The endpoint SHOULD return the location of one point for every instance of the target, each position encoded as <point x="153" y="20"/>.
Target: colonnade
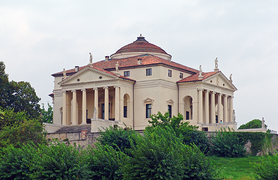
<point x="214" y="104"/>
<point x="70" y="100"/>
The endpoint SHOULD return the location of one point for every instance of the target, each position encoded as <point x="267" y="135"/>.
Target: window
<point x="148" y="110"/>
<point x="181" y="75"/>
<point x="125" y="111"/>
<point x="149" y="72"/>
<point x="170" y="110"/>
<point x="169" y="73"/>
<point x="126" y="73"/>
<point x="187" y="115"/>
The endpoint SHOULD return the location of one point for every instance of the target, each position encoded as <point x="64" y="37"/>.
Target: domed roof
<point x="140" y="46"/>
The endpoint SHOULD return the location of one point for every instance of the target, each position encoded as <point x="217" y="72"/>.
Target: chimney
<point x="139" y="61"/>
<point x="76" y="68"/>
<point x="106" y="58"/>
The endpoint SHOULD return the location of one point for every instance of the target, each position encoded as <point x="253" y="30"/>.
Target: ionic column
<point x="212" y="106"/>
<point x="220" y="110"/>
<point x="74" y="109"/>
<point x="231" y="109"/>
<point x="200" y="119"/>
<point x="206" y="121"/>
<point x="64" y="107"/>
<point x="84" y="106"/>
<point x="117" y="103"/>
<point x="96" y="101"/>
<point x="106" y="103"/>
<point x="225" y="119"/>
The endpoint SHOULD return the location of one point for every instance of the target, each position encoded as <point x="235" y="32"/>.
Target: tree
<point x="47" y="115"/>
<point x="20" y="96"/>
<point x="255" y="123"/>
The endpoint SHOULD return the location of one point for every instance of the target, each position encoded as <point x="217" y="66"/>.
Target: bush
<point x="118" y="138"/>
<point x="200" y="139"/>
<point x="160" y="154"/>
<point x="227" y="144"/>
<point x="17" y="163"/>
<point x="268" y="168"/>
<point x="104" y="162"/>
<point x="60" y="161"/>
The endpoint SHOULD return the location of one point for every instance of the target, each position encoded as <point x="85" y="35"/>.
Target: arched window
<point x="126" y="107"/>
<point x="188" y="110"/>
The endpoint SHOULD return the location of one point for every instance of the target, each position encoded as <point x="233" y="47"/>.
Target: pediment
<point x="220" y="80"/>
<point x="88" y="75"/>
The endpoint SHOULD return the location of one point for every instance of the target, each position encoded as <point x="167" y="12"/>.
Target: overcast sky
<point x="38" y="38"/>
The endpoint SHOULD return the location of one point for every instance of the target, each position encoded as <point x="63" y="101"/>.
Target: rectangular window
<point x="148" y="110"/>
<point x="125" y="111"/>
<point x="126" y="73"/>
<point x="181" y="75"/>
<point x="187" y="115"/>
<point x="149" y="72"/>
<point x="170" y="110"/>
<point x="169" y="73"/>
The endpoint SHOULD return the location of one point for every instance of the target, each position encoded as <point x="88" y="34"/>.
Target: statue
<point x="231" y="78"/>
<point x="91" y="60"/>
<point x="263" y="123"/>
<point x="216" y="63"/>
<point x="200" y="73"/>
<point x="64" y="73"/>
<point x="117" y="66"/>
<point x="95" y="113"/>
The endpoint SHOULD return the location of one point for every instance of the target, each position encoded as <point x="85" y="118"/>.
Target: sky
<point x="39" y="38"/>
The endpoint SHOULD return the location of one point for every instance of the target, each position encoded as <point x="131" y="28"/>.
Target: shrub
<point x="267" y="168"/>
<point x="104" y="162"/>
<point x="60" y="161"/>
<point x="200" y="139"/>
<point x="227" y="144"/>
<point x="118" y="138"/>
<point x="160" y="154"/>
<point x="17" y="163"/>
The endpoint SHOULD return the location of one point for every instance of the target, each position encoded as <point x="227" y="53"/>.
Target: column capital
<point x="73" y="90"/>
<point x="83" y="89"/>
<point x="105" y="87"/>
<point x="116" y="86"/>
<point x="96" y="88"/>
<point x="212" y="92"/>
<point x="200" y="89"/>
<point x="64" y="91"/>
<point x="225" y="95"/>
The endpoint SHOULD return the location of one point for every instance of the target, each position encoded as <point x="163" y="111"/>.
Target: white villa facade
<point x="138" y="80"/>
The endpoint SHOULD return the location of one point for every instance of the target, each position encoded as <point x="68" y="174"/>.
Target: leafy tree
<point x="20" y="96"/>
<point x="47" y="114"/>
<point x="255" y="123"/>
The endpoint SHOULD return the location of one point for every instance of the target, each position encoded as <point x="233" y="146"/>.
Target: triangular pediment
<point x="220" y="80"/>
<point x="88" y="75"/>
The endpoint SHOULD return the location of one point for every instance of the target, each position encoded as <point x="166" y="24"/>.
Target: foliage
<point x="17" y="128"/>
<point x="235" y="168"/>
<point x="227" y="144"/>
<point x="104" y="162"/>
<point x="17" y="163"/>
<point x="160" y="154"/>
<point x="267" y="168"/>
<point x="255" y="123"/>
<point x="59" y="161"/>
<point x="47" y="114"/>
<point x="189" y="133"/>
<point x="118" y="138"/>
<point x="20" y="96"/>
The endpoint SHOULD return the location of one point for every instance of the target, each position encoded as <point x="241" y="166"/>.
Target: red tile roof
<point x="194" y="77"/>
<point x="141" y="45"/>
<point x="132" y="62"/>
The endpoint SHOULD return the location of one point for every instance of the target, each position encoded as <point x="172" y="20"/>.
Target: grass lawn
<point x="235" y="168"/>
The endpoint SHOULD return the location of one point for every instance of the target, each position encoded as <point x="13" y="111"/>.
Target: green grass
<point x="235" y="168"/>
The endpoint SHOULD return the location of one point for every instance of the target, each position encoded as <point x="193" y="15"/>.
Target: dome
<point x="139" y="47"/>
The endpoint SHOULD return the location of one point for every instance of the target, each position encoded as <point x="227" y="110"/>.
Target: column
<point x="225" y="119"/>
<point x="84" y="106"/>
<point x="212" y="106"/>
<point x="74" y="109"/>
<point x="106" y="103"/>
<point x="206" y="121"/>
<point x="64" y="107"/>
<point x="96" y="103"/>
<point x="117" y="103"/>
<point x="231" y="109"/>
<point x="220" y="110"/>
<point x="200" y="117"/>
